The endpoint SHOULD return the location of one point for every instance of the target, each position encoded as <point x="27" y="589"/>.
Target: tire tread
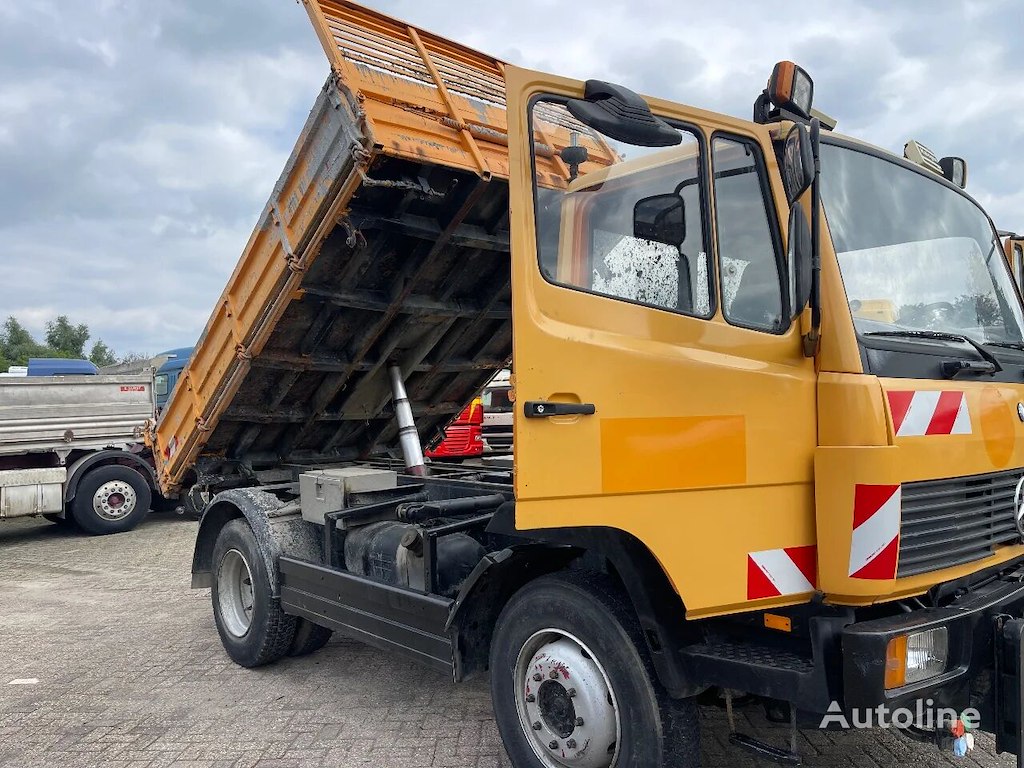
<point x="276" y="636"/>
<point x="680" y="722"/>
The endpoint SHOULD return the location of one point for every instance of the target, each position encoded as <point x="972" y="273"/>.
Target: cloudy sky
<point x="140" y="139"/>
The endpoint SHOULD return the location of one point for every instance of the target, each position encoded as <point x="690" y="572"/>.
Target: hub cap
<point x="565" y="702"/>
<point x="234" y="593"/>
<point x="114" y="500"/>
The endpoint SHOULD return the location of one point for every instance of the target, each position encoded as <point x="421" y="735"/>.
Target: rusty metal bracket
<point x="355" y="238"/>
<point x="360" y="154"/>
<point x="421" y="186"/>
<point x="295" y="262"/>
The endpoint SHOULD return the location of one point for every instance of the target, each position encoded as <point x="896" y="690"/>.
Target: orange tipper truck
<point x="769" y="393"/>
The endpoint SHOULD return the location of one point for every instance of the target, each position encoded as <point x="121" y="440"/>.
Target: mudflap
<point x="1009" y="693"/>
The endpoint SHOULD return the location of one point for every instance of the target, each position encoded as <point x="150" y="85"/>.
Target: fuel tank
<point x="392" y="553"/>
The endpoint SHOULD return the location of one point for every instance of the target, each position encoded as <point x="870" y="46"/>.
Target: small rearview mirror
<point x="661" y="219"/>
<point x="797" y="162"/>
<point x="799" y="258"/>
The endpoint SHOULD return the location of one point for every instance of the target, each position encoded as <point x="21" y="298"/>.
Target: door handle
<point x="541" y="409"/>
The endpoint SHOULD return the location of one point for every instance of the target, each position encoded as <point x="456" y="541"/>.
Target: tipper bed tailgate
<point x="385" y="240"/>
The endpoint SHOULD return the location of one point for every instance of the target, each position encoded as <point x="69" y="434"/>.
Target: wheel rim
<point x="234" y="591"/>
<point x="566" y="705"/>
<point x="114" y="500"/>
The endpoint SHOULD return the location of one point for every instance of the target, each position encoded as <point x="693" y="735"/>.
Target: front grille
<point x="956" y="521"/>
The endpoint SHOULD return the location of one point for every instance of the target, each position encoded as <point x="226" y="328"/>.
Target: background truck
<point x="463" y="437"/>
<point x="72" y="449"/>
<point x="756" y="449"/>
<point x="498" y="413"/>
<point x="168" y="366"/>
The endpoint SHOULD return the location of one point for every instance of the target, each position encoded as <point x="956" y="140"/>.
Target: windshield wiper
<point x="1018" y="345"/>
<point x="951" y="368"/>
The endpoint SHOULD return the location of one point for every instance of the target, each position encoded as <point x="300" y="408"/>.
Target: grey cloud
<point x="139" y="139"/>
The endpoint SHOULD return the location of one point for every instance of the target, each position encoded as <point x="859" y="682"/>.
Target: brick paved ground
<point x="131" y="673"/>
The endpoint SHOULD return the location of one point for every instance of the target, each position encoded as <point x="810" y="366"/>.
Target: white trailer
<point x="72" y="449"/>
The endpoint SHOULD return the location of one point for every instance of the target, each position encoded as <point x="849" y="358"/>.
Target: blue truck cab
<point x="168" y="373"/>
<point x="59" y="366"/>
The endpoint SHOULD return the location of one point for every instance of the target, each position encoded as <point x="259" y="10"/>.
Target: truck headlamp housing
<point x="791" y="88"/>
<point x="916" y="657"/>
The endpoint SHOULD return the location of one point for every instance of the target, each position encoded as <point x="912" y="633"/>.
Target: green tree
<point x="66" y="339"/>
<point x="17" y="344"/>
<point x="101" y="354"/>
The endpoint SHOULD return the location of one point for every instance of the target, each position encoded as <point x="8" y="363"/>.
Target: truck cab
<point x="498" y="413"/>
<point x="167" y="374"/>
<point x="767" y="392"/>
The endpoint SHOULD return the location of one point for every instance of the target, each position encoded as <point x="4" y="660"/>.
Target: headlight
<point x="915" y="657"/>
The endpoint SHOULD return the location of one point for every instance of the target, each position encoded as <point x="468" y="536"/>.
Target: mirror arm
<point x="813" y="337"/>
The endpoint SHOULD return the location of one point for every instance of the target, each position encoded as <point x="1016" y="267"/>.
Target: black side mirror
<point x="797" y="162"/>
<point x="661" y="219"/>
<point x="623" y="115"/>
<point x="799" y="258"/>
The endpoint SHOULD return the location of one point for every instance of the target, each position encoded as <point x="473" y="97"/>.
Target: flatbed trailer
<point x="741" y="461"/>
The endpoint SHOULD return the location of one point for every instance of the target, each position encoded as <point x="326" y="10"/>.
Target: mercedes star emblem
<point x="1018" y="506"/>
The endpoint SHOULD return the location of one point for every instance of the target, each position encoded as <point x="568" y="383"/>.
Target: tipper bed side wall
<point x="385" y="240"/>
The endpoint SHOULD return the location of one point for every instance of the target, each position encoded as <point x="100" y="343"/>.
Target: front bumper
<point x="984" y="667"/>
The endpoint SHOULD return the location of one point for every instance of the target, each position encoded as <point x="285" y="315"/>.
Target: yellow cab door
<point x="659" y="382"/>
<point x="1015" y="256"/>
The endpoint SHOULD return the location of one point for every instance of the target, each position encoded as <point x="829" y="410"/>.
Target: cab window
<point x="160" y="384"/>
<point x="748" y="240"/>
<point x="622" y="221"/>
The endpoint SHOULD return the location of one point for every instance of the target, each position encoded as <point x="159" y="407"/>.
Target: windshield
<point x="915" y="254"/>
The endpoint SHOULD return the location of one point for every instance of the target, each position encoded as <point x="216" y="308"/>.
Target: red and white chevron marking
<point x="779" y="572"/>
<point x="874" y="549"/>
<point x="916" y="413"/>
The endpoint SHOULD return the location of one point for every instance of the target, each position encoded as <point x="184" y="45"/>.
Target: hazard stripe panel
<point x="780" y="572"/>
<point x="927" y="412"/>
<point x="874" y="548"/>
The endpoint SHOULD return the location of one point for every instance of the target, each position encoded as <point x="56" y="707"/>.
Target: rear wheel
<point x="572" y="685"/>
<point x="252" y="627"/>
<point x="111" y="499"/>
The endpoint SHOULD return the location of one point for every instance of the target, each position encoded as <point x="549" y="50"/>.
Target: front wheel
<point x="252" y="627"/>
<point x="572" y="685"/>
<point x="111" y="499"/>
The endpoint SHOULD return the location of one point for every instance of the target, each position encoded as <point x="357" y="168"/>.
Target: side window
<point x="627" y="222"/>
<point x="748" y="241"/>
<point x="1018" y="266"/>
<point x="160" y="384"/>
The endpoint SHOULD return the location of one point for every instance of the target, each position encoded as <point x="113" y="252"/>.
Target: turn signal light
<point x="915" y="657"/>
